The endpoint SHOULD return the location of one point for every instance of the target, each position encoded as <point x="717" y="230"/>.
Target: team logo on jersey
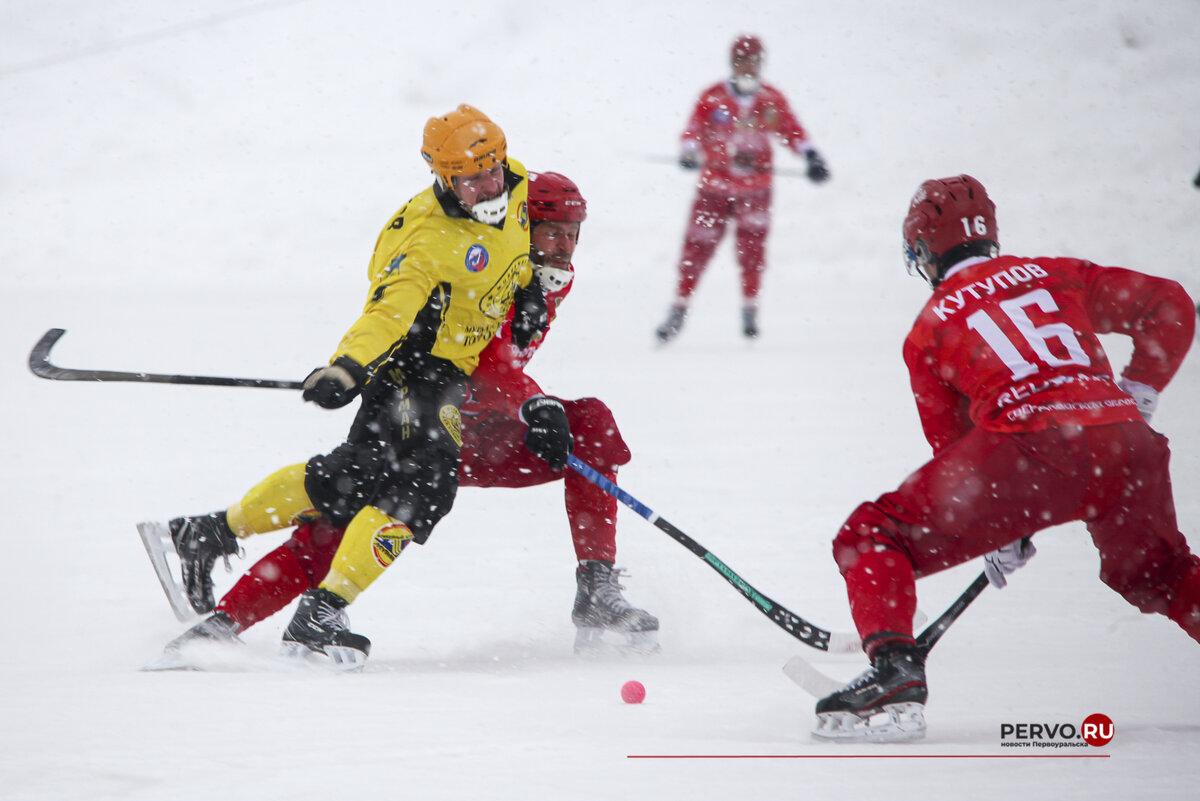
<point x="496" y="301"/>
<point x="721" y="115"/>
<point x="523" y="216"/>
<point x="389" y="541"/>
<point x="477" y="258"/>
<point x="452" y="422"/>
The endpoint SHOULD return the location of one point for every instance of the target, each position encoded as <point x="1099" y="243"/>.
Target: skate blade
<point x="337" y="657"/>
<point x="895" y="723"/>
<point x="590" y="643"/>
<point x="641" y="643"/>
<point x="169" y="660"/>
<point x="156" y="538"/>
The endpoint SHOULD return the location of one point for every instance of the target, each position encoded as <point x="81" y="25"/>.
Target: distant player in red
<point x="729" y="138"/>
<point x="1029" y="430"/>
<point x="499" y="450"/>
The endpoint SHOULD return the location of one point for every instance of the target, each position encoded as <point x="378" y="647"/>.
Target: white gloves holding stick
<point x="1002" y="561"/>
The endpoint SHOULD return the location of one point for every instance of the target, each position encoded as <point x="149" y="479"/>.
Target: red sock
<point x="883" y="597"/>
<point x="266" y="588"/>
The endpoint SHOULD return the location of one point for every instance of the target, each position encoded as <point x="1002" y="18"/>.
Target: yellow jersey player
<point x="445" y="271"/>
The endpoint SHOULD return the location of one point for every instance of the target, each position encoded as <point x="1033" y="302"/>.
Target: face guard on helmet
<point x="949" y="219"/>
<point x="462" y="143"/>
<point x="554" y="198"/>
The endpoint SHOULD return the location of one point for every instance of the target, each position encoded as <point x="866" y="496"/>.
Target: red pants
<point x="493" y="455"/>
<point x="710" y="214"/>
<point x="990" y="489"/>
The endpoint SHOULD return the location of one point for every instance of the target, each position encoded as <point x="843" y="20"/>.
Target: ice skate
<point x="886" y="704"/>
<point x="198" y="542"/>
<point x="217" y="628"/>
<point x="674" y="322"/>
<point x="320" y="626"/>
<point x="750" y="322"/>
<point x="600" y="607"/>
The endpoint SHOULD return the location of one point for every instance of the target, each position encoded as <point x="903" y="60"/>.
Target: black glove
<point x="334" y="386"/>
<point x="530" y="316"/>
<point x="549" y="434"/>
<point x="1196" y="182"/>
<point x="818" y="173"/>
<point x="689" y="160"/>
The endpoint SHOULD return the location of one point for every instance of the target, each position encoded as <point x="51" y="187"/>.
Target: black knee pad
<point x="342" y="482"/>
<point x="420" y="489"/>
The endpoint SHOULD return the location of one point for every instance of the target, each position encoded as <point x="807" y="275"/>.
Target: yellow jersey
<point x="442" y="282"/>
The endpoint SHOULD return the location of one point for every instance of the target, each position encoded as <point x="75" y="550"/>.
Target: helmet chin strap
<point x="491" y="212"/>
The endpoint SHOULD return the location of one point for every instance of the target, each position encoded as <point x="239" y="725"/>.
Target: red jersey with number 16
<point x="1010" y="344"/>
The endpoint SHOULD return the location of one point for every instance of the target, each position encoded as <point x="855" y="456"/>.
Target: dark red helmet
<point x="949" y="219"/>
<point x="746" y="46"/>
<point x="555" y="197"/>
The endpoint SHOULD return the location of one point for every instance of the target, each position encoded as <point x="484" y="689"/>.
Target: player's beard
<point x="746" y="84"/>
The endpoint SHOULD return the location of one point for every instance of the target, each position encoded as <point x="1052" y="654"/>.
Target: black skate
<point x="217" y="628"/>
<point x="670" y="329"/>
<point x="885" y="704"/>
<point x="320" y="626"/>
<point x="750" y="323"/>
<point x="198" y="542"/>
<point x="600" y="607"/>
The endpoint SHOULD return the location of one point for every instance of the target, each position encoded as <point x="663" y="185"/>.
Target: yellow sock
<point x="372" y="541"/>
<point x="274" y="503"/>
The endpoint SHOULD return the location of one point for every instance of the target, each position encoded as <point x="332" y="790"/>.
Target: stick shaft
<point x="40" y="364"/>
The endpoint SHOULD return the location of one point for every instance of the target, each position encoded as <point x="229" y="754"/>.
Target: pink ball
<point x="633" y="692"/>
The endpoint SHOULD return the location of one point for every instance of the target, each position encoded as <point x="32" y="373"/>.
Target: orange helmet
<point x="462" y="142"/>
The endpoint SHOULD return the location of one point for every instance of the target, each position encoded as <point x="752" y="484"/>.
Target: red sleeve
<point x="699" y="120"/>
<point x="943" y="410"/>
<point x="788" y="125"/>
<point x="500" y="382"/>
<point x="1156" y="313"/>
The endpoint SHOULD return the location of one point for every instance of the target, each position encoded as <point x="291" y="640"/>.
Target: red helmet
<point x="949" y="219"/>
<point x="746" y="46"/>
<point x="555" y="197"/>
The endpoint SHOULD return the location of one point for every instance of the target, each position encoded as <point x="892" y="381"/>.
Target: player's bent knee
<point x="595" y="433"/>
<point x="867" y="529"/>
<point x="343" y="481"/>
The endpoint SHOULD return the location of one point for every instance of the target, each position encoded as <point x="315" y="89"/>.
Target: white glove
<point x="1146" y="397"/>
<point x="1008" y="559"/>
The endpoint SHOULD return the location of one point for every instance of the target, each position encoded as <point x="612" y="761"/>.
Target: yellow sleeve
<point x="402" y="276"/>
<point x="388" y="315"/>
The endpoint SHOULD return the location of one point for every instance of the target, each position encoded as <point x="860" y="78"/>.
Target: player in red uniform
<point x="499" y="450"/>
<point x="729" y="136"/>
<point x="1029" y="430"/>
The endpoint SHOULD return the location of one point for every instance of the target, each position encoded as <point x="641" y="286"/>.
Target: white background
<point x="196" y="187"/>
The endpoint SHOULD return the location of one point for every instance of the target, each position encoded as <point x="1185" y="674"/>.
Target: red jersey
<point x="500" y="382"/>
<point x="726" y="125"/>
<point x="1010" y="344"/>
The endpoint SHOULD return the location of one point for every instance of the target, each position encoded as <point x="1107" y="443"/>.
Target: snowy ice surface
<point x="196" y="187"/>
